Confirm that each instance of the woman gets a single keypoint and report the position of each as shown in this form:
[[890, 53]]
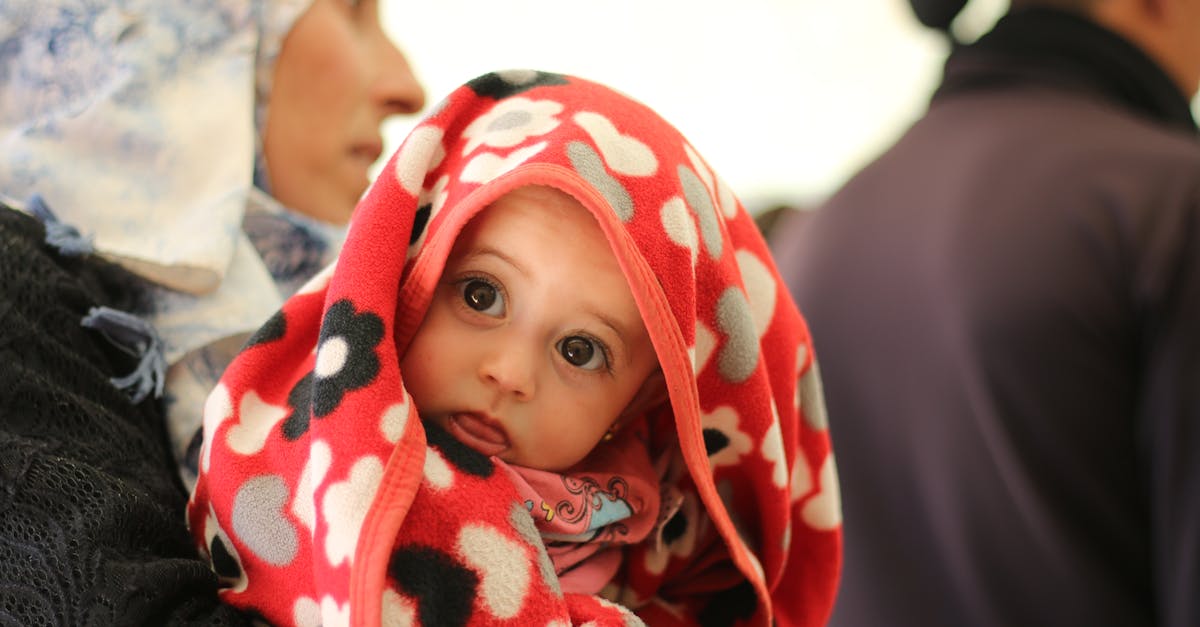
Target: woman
[[212, 152]]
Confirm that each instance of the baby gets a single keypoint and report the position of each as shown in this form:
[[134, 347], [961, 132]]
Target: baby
[[552, 379], [533, 351]]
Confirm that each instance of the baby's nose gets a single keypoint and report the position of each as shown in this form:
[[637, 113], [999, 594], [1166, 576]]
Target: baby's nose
[[511, 368]]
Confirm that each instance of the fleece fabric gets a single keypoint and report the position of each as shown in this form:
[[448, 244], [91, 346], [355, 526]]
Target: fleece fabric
[[324, 499]]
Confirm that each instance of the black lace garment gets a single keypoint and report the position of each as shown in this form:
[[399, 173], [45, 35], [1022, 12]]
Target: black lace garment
[[91, 512]]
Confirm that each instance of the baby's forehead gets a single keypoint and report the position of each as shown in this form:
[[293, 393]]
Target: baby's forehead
[[533, 213], [547, 237], [542, 197]]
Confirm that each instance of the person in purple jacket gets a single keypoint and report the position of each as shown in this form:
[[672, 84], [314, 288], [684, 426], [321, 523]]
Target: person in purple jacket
[[1006, 307]]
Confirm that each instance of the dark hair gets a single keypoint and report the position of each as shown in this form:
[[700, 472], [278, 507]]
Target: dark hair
[[937, 13], [1077, 6]]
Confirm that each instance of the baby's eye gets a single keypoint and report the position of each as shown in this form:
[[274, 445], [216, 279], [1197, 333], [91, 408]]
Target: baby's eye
[[483, 296], [583, 352]]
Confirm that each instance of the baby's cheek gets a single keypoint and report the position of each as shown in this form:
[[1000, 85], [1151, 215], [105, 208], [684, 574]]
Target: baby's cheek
[[414, 376]]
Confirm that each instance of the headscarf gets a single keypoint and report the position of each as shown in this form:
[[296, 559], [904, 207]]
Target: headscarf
[[324, 499], [137, 122]]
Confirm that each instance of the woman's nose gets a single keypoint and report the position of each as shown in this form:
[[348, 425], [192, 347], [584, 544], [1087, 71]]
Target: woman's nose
[[395, 88]]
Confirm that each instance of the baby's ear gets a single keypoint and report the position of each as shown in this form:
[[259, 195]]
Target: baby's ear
[[652, 394]]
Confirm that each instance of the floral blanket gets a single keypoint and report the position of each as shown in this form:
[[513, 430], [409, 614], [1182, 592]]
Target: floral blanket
[[324, 500]]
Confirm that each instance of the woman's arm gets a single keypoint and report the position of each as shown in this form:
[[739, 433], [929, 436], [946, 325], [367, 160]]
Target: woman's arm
[[91, 512]]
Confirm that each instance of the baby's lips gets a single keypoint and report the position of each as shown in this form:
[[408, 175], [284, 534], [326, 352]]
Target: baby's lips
[[479, 432]]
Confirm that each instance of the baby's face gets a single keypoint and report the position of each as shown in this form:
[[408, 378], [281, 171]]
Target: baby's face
[[533, 345]]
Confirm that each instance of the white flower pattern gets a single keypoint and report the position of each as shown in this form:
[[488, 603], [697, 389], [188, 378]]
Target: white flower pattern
[[510, 122]]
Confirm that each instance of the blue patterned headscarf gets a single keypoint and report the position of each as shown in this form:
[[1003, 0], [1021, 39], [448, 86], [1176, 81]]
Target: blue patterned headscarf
[[137, 121]]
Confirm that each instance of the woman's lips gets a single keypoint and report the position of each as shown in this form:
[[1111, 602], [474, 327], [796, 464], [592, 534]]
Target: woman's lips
[[365, 155], [368, 151], [478, 432]]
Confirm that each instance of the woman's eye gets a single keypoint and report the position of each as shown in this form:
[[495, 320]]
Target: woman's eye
[[583, 352], [483, 297]]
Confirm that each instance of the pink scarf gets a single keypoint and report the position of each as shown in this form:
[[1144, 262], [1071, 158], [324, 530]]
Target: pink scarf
[[585, 514]]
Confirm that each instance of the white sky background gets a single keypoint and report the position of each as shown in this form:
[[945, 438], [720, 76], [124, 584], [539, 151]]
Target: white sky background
[[785, 98]]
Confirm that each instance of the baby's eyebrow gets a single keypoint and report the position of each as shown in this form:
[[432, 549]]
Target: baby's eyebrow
[[613, 324], [488, 251]]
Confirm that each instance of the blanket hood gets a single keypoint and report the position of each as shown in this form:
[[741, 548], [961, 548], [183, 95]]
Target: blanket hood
[[317, 475]]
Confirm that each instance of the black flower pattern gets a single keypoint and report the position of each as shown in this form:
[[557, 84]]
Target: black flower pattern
[[225, 563], [300, 400], [501, 85], [460, 455], [420, 219], [444, 589], [346, 361], [361, 334], [271, 330], [715, 441]]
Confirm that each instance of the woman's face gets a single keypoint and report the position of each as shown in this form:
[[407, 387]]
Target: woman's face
[[336, 78]]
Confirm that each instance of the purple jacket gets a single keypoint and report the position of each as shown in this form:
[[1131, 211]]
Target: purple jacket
[[1006, 307]]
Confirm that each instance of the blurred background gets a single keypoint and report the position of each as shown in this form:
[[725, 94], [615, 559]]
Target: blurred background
[[785, 98]]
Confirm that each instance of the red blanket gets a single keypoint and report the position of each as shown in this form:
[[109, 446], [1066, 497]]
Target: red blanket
[[324, 499]]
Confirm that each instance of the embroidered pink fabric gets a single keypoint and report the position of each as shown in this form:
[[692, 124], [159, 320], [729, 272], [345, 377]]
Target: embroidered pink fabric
[[587, 513]]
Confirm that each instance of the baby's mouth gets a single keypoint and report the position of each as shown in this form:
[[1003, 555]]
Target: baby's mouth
[[478, 432]]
